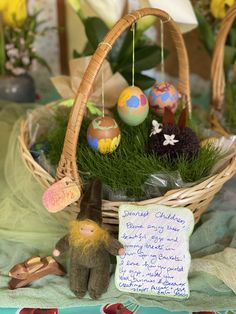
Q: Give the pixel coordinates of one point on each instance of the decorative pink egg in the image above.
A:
(163, 95)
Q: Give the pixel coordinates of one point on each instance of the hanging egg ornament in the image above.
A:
(132, 106)
(103, 135)
(163, 95)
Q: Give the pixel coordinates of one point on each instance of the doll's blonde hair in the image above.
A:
(86, 243)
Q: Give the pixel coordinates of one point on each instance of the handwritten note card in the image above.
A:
(156, 241)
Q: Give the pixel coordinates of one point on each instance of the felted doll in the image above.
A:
(172, 139)
(90, 246)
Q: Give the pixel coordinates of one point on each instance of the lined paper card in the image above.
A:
(156, 242)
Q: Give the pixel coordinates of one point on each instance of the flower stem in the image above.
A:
(81, 15)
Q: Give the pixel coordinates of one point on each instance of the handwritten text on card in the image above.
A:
(157, 259)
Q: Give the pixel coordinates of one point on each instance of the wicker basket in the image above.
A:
(196, 198)
(217, 71)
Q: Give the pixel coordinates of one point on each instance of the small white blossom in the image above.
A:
(18, 71)
(169, 140)
(156, 127)
(8, 65)
(12, 60)
(13, 53)
(25, 60)
(22, 41)
(9, 46)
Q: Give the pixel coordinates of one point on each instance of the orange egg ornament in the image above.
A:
(163, 95)
(103, 135)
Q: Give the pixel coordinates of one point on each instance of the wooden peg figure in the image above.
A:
(90, 246)
(32, 269)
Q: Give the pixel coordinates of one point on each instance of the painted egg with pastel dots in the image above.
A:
(132, 106)
(163, 95)
(103, 135)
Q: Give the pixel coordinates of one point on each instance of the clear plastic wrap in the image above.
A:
(40, 123)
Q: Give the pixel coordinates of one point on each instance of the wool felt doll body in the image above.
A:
(90, 246)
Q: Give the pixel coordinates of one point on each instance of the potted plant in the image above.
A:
(18, 31)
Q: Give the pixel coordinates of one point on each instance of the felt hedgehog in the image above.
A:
(172, 139)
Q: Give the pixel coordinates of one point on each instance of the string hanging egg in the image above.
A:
(163, 95)
(103, 135)
(132, 106)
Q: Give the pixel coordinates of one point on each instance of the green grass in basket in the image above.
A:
(129, 166)
(230, 105)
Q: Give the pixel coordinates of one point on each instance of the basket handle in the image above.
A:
(217, 66)
(67, 165)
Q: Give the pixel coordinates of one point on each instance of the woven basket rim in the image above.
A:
(199, 190)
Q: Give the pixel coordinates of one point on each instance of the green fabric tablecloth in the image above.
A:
(27, 229)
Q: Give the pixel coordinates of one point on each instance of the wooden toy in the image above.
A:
(32, 269)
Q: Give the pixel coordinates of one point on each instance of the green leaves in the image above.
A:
(93, 109)
(232, 36)
(229, 56)
(230, 48)
(90, 106)
(145, 58)
(141, 80)
(95, 30)
(43, 63)
(147, 55)
(230, 99)
(206, 33)
(76, 54)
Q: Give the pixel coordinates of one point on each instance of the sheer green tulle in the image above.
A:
(27, 229)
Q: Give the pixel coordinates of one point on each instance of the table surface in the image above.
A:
(127, 308)
(99, 309)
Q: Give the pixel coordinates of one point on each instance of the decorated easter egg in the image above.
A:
(163, 95)
(103, 135)
(132, 106)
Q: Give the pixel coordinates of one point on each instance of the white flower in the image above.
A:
(181, 12)
(146, 21)
(8, 65)
(169, 139)
(110, 11)
(13, 53)
(18, 71)
(157, 127)
(12, 60)
(22, 41)
(25, 60)
(9, 46)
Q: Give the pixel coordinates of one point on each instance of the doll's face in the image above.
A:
(87, 234)
(87, 229)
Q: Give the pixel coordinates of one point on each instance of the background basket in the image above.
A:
(196, 198)
(217, 71)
